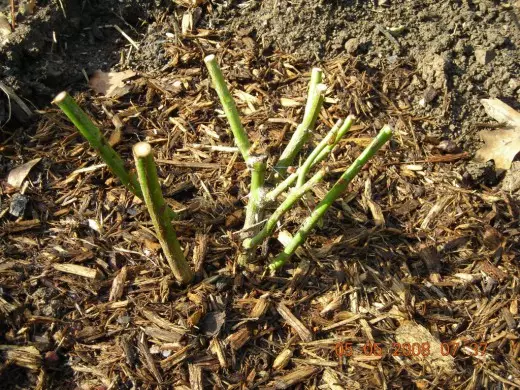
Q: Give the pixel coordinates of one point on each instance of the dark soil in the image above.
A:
(424, 246)
(445, 42)
(49, 50)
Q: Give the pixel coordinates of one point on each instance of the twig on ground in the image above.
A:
(127, 37)
(13, 15)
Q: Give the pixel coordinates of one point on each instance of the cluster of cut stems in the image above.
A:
(295, 184)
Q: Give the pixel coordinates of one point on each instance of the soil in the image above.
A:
(50, 49)
(423, 247)
(445, 41)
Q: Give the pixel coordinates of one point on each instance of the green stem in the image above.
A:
(291, 199)
(300, 136)
(147, 173)
(254, 205)
(274, 193)
(306, 167)
(316, 78)
(94, 137)
(344, 129)
(339, 187)
(228, 104)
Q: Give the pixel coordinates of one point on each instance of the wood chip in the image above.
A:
(261, 307)
(410, 332)
(79, 270)
(118, 285)
(195, 372)
(304, 333)
(295, 377)
(27, 357)
(282, 359)
(148, 358)
(238, 339)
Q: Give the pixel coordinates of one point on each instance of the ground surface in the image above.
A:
(423, 248)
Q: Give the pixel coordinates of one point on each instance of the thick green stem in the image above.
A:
(274, 193)
(309, 162)
(93, 135)
(254, 205)
(291, 199)
(300, 136)
(255, 193)
(339, 187)
(147, 173)
(316, 78)
(228, 104)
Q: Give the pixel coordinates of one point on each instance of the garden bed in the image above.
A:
(422, 249)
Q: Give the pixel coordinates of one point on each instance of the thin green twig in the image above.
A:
(254, 205)
(98, 142)
(315, 99)
(280, 188)
(309, 162)
(93, 135)
(339, 187)
(228, 104)
(291, 199)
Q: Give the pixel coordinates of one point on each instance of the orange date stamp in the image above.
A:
(348, 349)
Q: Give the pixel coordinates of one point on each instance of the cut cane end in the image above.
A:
(387, 130)
(142, 149)
(60, 97)
(209, 58)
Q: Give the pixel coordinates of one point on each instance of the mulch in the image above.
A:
(410, 255)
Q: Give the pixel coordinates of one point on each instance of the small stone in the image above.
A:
(484, 56)
(18, 204)
(351, 45)
(429, 94)
(448, 146)
(476, 173)
(514, 84)
(51, 359)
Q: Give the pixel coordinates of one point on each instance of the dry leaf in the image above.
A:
(501, 112)
(18, 175)
(501, 145)
(110, 84)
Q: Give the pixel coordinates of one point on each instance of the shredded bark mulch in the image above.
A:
(415, 269)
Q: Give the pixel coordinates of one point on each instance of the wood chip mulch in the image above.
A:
(407, 256)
